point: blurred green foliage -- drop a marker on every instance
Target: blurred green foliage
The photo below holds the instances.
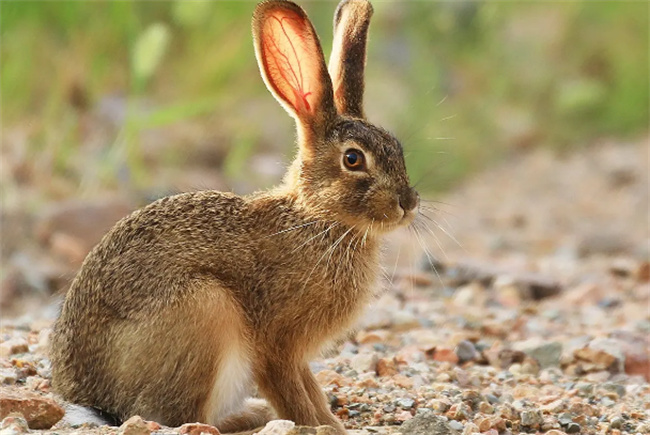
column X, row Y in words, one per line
column 461, row 83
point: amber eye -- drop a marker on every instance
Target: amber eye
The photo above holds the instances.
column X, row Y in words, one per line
column 354, row 160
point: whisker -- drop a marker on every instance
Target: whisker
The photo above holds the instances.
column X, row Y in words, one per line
column 293, row 228
column 451, row 236
column 435, row 238
column 323, row 256
column 438, row 202
column 408, row 134
column 313, row 237
column 363, row 242
column 338, row 241
column 412, row 268
column 392, row 277
column 434, row 209
column 429, row 172
column 349, row 252
column 427, row 253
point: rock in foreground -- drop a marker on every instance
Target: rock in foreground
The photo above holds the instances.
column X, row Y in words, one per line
column 427, row 424
column 39, row 412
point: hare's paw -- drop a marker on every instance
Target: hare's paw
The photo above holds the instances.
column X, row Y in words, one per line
column 255, row 414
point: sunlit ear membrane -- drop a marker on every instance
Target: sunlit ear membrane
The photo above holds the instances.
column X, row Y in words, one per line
column 348, row 59
column 291, row 62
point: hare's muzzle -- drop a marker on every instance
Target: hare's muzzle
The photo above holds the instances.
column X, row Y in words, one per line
column 408, row 200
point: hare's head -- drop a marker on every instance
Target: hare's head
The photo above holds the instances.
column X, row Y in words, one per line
column 346, row 168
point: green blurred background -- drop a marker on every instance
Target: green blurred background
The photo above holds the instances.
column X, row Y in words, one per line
column 148, row 98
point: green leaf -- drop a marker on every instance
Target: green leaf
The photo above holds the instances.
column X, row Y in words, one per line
column 148, row 51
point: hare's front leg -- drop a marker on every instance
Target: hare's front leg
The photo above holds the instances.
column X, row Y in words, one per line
column 280, row 382
column 319, row 400
column 294, row 393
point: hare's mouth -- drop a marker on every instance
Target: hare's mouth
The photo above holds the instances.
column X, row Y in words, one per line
column 387, row 225
column 407, row 218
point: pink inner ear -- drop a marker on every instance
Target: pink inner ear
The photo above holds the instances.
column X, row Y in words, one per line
column 291, row 59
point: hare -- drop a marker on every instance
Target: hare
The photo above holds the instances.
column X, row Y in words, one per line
column 188, row 304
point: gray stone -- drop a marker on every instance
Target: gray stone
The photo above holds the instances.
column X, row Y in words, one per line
column 456, row 425
column 546, row 353
column 606, row 401
column 573, row 428
column 565, row 419
column 531, row 418
column 428, row 424
column 466, row 351
column 406, row 403
column 616, row 423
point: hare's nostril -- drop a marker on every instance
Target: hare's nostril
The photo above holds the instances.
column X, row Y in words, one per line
column 408, row 199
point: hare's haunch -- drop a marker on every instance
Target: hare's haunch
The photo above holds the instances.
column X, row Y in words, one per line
column 189, row 303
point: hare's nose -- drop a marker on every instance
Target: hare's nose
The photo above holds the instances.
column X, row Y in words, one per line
column 408, row 199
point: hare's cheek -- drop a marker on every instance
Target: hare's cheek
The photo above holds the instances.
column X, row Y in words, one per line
column 351, row 194
column 383, row 206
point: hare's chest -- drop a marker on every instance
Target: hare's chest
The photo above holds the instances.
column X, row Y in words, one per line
column 340, row 296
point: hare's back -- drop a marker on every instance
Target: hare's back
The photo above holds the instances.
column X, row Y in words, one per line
column 158, row 253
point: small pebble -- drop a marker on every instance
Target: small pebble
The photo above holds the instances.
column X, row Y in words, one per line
column 13, row 346
column 573, row 428
column 465, row 351
column 406, row 403
column 456, row 425
column 134, row 426
column 616, row 423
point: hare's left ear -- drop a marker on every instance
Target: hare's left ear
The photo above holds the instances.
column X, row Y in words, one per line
column 348, row 59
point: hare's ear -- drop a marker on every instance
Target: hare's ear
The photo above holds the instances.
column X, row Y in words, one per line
column 348, row 59
column 292, row 64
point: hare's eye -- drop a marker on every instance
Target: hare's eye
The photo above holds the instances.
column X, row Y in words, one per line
column 354, row 160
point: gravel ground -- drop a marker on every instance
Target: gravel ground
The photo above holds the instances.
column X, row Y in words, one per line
column 536, row 321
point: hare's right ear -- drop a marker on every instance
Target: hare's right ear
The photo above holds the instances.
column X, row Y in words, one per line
column 348, row 58
column 292, row 64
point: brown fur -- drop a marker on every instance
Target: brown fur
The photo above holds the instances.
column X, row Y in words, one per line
column 181, row 289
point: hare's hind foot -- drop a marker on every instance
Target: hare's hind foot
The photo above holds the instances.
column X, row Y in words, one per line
column 252, row 418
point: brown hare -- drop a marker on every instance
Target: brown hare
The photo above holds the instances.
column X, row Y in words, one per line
column 190, row 303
